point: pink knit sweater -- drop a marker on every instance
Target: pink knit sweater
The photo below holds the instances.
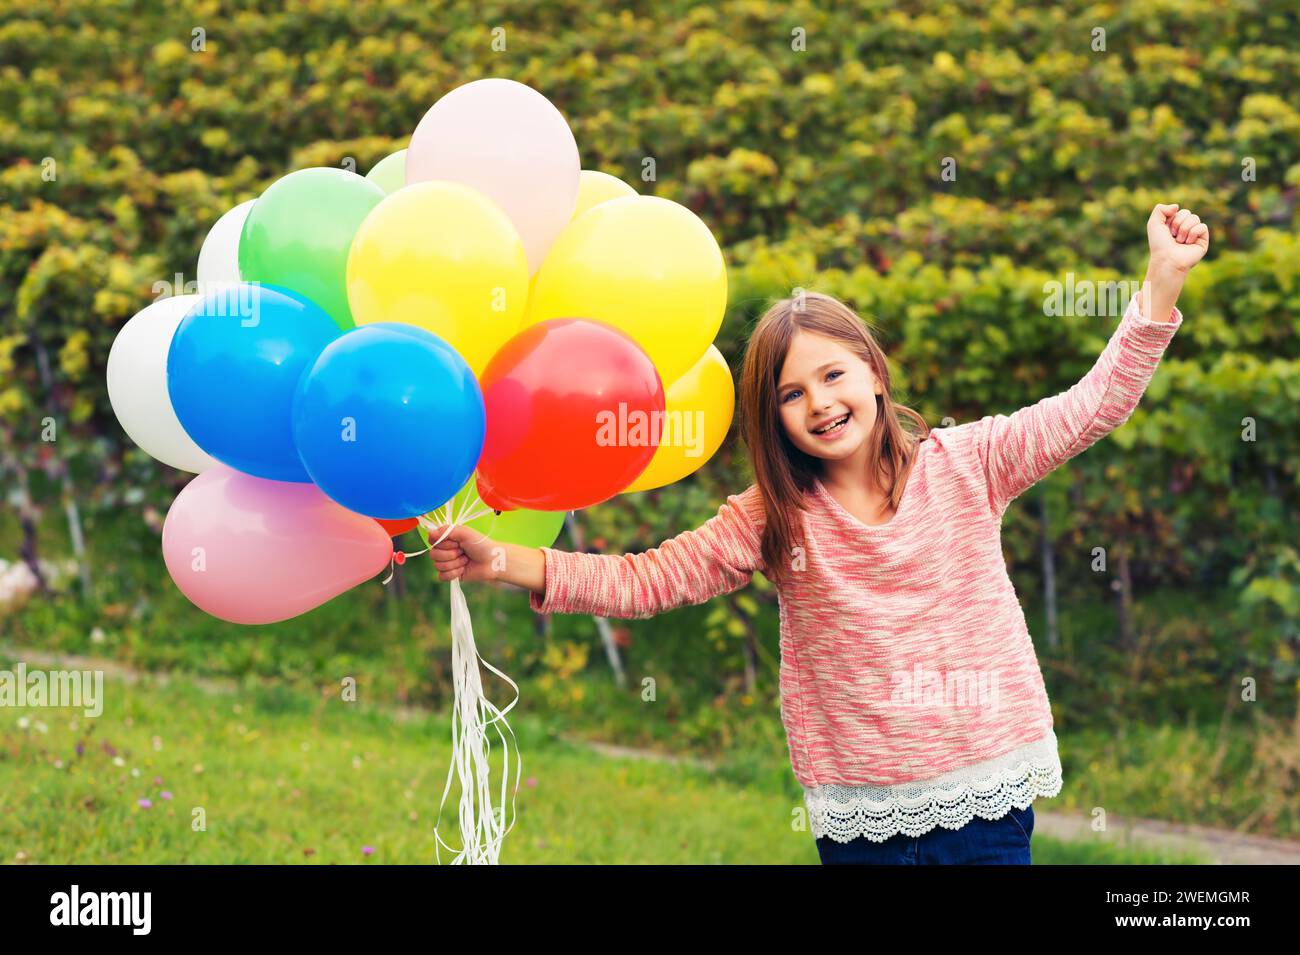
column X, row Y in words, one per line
column 904, row 650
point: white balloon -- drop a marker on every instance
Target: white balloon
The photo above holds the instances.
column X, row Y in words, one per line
column 137, row 385
column 219, row 257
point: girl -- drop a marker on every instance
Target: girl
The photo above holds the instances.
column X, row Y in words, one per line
column 913, row 702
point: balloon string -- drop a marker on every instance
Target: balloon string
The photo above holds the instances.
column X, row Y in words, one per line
column 483, row 827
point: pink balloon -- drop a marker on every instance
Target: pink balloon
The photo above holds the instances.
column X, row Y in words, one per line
column 510, row 143
column 249, row 550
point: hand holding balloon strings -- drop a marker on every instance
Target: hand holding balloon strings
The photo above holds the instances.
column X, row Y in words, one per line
column 442, row 516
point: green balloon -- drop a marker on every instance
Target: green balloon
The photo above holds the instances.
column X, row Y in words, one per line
column 523, row 527
column 389, row 174
column 298, row 233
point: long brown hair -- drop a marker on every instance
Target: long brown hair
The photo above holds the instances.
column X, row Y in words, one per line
column 784, row 473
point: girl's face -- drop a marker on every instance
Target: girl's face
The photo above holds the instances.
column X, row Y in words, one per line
column 822, row 382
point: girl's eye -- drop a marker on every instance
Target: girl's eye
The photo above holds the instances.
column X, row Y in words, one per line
column 791, row 394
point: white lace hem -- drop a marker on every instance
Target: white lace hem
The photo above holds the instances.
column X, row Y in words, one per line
column 987, row 789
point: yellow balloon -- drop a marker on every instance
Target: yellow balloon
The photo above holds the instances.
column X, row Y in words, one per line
column 698, row 410
column 597, row 187
column 643, row 264
column 444, row 257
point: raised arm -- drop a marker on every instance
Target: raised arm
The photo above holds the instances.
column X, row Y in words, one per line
column 1017, row 451
column 716, row 558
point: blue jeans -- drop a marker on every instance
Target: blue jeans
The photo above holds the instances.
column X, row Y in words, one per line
column 1002, row 841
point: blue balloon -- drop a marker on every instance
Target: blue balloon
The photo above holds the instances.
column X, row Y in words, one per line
column 389, row 421
column 232, row 370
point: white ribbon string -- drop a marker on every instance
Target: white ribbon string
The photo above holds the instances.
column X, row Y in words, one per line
column 483, row 826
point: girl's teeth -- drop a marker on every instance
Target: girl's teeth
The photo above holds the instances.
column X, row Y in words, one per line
column 836, row 427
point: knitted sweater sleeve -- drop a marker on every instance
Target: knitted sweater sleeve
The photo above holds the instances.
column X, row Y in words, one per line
column 1016, row 451
column 716, row 558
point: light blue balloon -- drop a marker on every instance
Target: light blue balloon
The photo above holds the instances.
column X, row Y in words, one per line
column 232, row 370
column 389, row 421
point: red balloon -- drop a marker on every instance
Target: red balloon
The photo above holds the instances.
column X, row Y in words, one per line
column 574, row 412
column 397, row 527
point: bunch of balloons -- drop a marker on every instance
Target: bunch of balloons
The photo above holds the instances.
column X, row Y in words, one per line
column 476, row 321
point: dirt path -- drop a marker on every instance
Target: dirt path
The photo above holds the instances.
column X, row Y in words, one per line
column 1222, row 846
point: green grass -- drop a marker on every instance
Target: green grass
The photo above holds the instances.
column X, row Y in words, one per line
column 284, row 777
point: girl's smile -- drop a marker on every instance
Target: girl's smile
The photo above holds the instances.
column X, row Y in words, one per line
column 835, row 429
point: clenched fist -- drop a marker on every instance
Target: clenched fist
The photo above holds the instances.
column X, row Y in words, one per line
column 1178, row 237
column 466, row 554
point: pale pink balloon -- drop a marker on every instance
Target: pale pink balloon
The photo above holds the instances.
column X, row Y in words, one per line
column 510, row 143
column 249, row 550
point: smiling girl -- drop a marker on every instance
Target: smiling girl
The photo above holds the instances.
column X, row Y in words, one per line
column 912, row 699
